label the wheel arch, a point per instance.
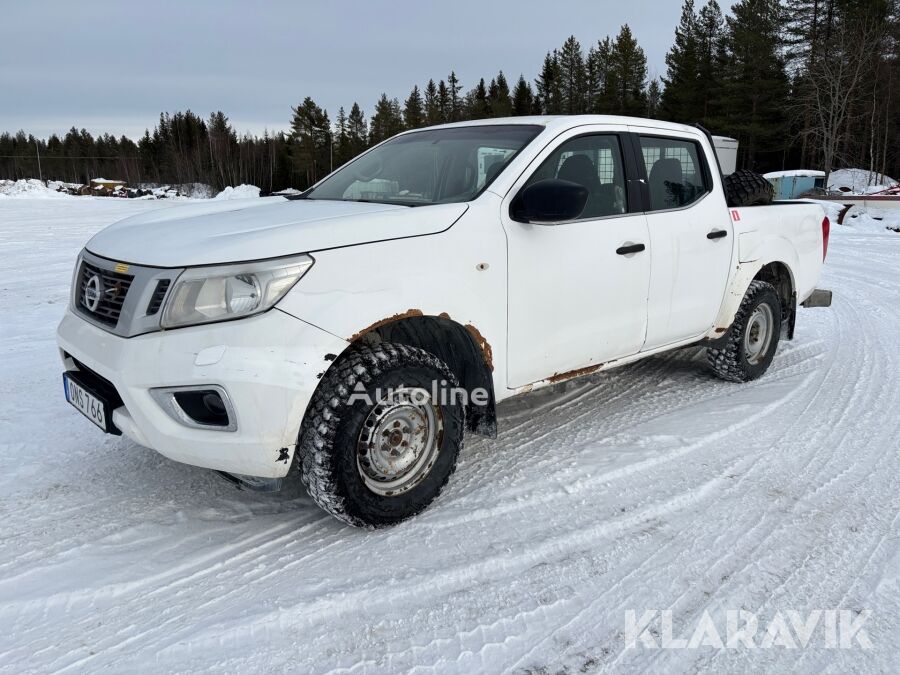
(461, 347)
(780, 276)
(775, 271)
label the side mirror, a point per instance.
(550, 201)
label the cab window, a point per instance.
(675, 173)
(594, 162)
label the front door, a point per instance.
(577, 289)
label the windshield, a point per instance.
(436, 166)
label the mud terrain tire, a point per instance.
(746, 188)
(334, 462)
(745, 357)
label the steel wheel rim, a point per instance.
(758, 335)
(399, 441)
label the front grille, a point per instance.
(112, 287)
(159, 294)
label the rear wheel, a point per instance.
(753, 337)
(381, 435)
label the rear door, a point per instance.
(576, 299)
(691, 236)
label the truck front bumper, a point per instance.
(269, 366)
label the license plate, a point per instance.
(86, 402)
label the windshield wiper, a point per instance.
(302, 195)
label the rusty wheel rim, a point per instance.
(399, 441)
(758, 335)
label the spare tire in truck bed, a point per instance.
(746, 188)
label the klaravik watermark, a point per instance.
(829, 628)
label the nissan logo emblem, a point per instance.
(92, 293)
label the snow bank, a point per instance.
(29, 189)
(859, 181)
(857, 218)
(239, 192)
(831, 209)
(861, 221)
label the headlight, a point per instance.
(208, 294)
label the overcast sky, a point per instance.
(114, 66)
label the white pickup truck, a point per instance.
(358, 331)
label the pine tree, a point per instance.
(357, 131)
(455, 110)
(443, 102)
(628, 74)
(432, 104)
(755, 85)
(477, 105)
(710, 61)
(387, 120)
(413, 110)
(522, 98)
(498, 96)
(342, 151)
(310, 142)
(573, 90)
(807, 22)
(599, 92)
(549, 87)
(680, 98)
(222, 148)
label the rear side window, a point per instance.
(676, 174)
(595, 162)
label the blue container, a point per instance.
(792, 184)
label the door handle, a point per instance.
(717, 234)
(630, 248)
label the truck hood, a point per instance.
(237, 230)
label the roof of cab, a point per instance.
(562, 122)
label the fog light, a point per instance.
(199, 407)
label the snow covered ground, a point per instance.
(858, 181)
(654, 486)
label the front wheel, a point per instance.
(381, 435)
(753, 338)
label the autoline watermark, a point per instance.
(441, 393)
(831, 628)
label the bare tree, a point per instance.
(833, 83)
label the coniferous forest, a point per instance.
(800, 83)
